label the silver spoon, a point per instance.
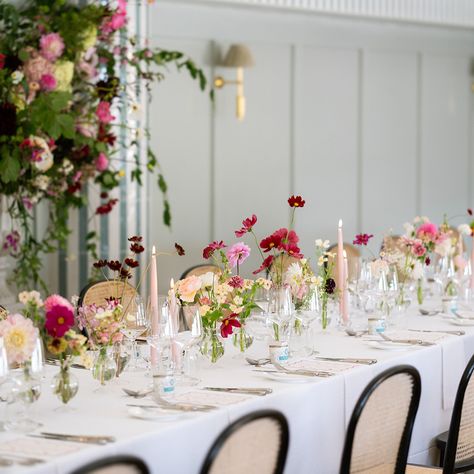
(351, 332)
(258, 362)
(137, 393)
(426, 312)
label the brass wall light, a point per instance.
(239, 57)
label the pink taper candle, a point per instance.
(155, 313)
(472, 263)
(340, 267)
(345, 295)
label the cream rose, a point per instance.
(188, 288)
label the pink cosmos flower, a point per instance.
(52, 46)
(56, 300)
(59, 319)
(103, 112)
(428, 230)
(48, 82)
(102, 162)
(238, 253)
(267, 263)
(247, 225)
(362, 239)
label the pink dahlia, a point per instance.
(238, 253)
(427, 230)
(56, 300)
(52, 46)
(103, 112)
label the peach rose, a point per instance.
(188, 288)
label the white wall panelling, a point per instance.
(370, 121)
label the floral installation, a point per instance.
(327, 285)
(225, 300)
(63, 96)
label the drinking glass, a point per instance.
(137, 322)
(281, 311)
(301, 335)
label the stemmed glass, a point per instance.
(25, 391)
(280, 311)
(258, 323)
(186, 342)
(301, 338)
(137, 322)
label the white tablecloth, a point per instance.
(318, 412)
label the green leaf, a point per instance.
(162, 184)
(167, 214)
(9, 167)
(59, 100)
(67, 125)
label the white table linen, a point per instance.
(318, 411)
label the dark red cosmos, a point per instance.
(208, 252)
(73, 188)
(292, 250)
(114, 265)
(125, 274)
(135, 238)
(274, 240)
(362, 239)
(104, 195)
(100, 264)
(469, 211)
(247, 225)
(136, 248)
(106, 207)
(236, 282)
(2, 60)
(179, 249)
(131, 263)
(427, 261)
(228, 324)
(267, 263)
(296, 201)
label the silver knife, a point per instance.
(74, 439)
(455, 333)
(307, 373)
(247, 391)
(175, 407)
(350, 360)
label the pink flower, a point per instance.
(56, 300)
(228, 324)
(19, 336)
(103, 112)
(247, 225)
(36, 67)
(236, 282)
(188, 288)
(362, 239)
(2, 60)
(428, 230)
(238, 253)
(48, 82)
(59, 319)
(208, 252)
(102, 162)
(12, 241)
(88, 130)
(267, 263)
(418, 249)
(52, 46)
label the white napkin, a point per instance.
(208, 397)
(432, 337)
(38, 448)
(322, 365)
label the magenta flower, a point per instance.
(238, 253)
(247, 225)
(418, 249)
(52, 46)
(102, 162)
(236, 282)
(208, 252)
(103, 112)
(12, 241)
(362, 239)
(59, 319)
(228, 324)
(56, 300)
(48, 82)
(428, 230)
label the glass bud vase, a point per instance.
(211, 344)
(281, 310)
(65, 384)
(104, 367)
(242, 340)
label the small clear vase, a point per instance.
(419, 291)
(65, 384)
(211, 344)
(281, 311)
(104, 367)
(241, 339)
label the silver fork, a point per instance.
(416, 342)
(309, 373)
(454, 333)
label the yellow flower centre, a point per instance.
(271, 244)
(60, 320)
(296, 204)
(16, 338)
(226, 322)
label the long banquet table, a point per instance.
(317, 411)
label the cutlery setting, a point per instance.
(442, 331)
(416, 342)
(188, 407)
(88, 439)
(261, 392)
(350, 360)
(7, 460)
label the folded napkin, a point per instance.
(203, 397)
(38, 448)
(321, 365)
(430, 337)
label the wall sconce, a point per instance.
(239, 57)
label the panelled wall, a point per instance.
(369, 121)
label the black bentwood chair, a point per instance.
(115, 465)
(379, 432)
(257, 443)
(458, 455)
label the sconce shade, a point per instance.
(238, 56)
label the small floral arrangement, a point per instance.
(327, 285)
(303, 283)
(19, 336)
(224, 300)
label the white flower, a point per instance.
(417, 219)
(42, 182)
(263, 282)
(204, 309)
(208, 280)
(464, 229)
(409, 228)
(30, 297)
(444, 248)
(294, 274)
(323, 244)
(378, 267)
(236, 309)
(17, 77)
(321, 260)
(238, 300)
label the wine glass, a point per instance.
(280, 311)
(301, 336)
(137, 322)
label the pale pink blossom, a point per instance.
(103, 112)
(418, 249)
(48, 82)
(52, 46)
(56, 300)
(188, 288)
(102, 162)
(238, 253)
(36, 67)
(427, 230)
(19, 336)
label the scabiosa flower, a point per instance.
(208, 251)
(362, 239)
(247, 225)
(103, 112)
(238, 253)
(179, 249)
(228, 324)
(236, 282)
(59, 319)
(267, 263)
(296, 201)
(469, 211)
(52, 46)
